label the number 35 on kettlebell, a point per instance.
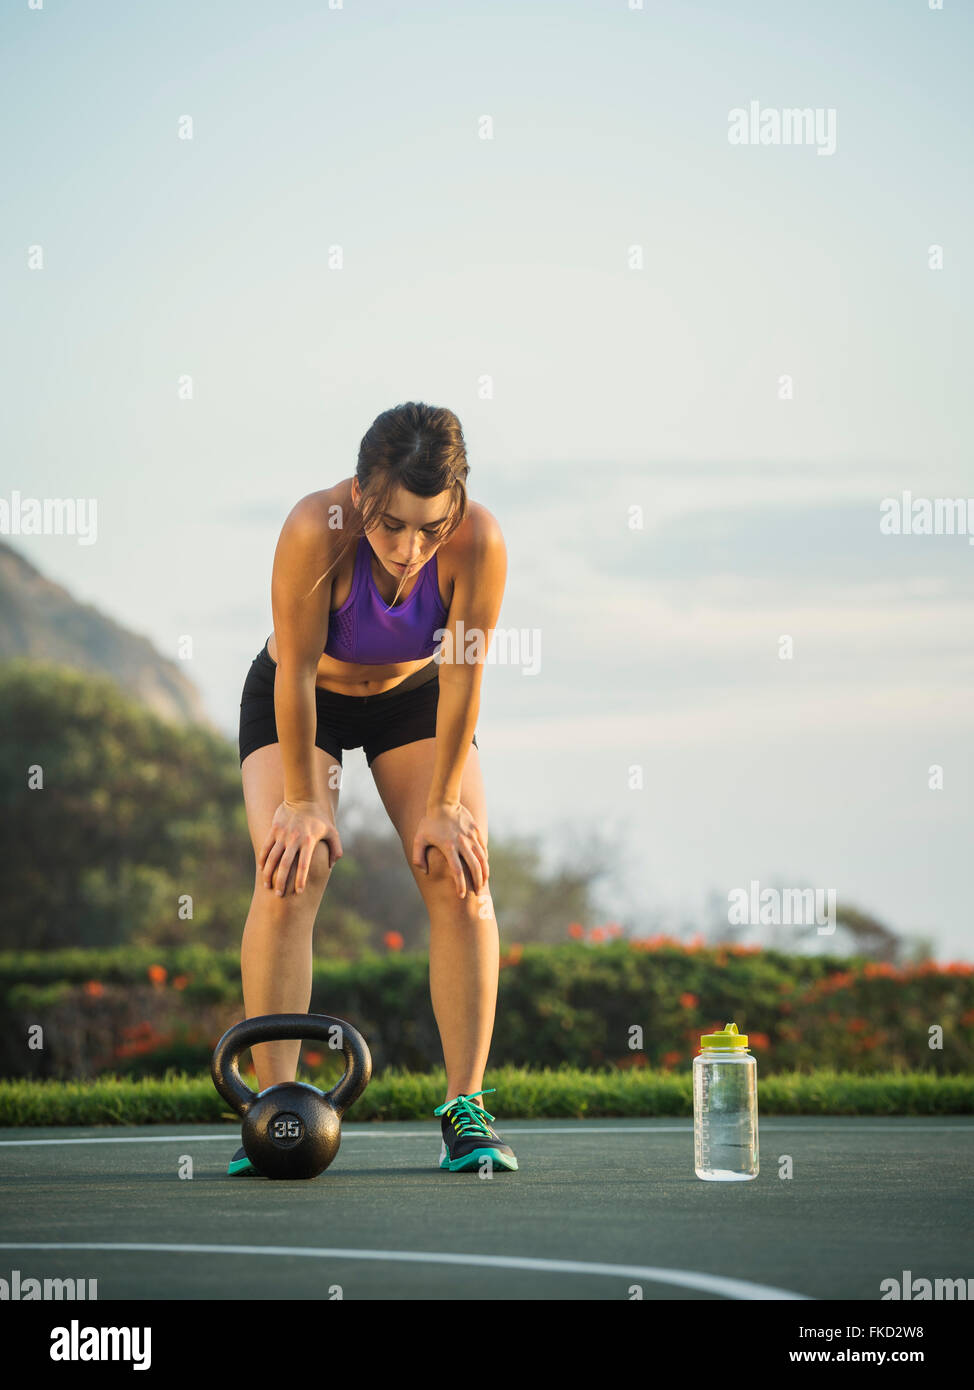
(291, 1130)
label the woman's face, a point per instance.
(407, 534)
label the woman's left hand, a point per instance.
(455, 833)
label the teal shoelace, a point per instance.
(469, 1119)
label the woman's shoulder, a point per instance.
(475, 548)
(323, 514)
(478, 529)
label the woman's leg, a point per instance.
(464, 948)
(275, 954)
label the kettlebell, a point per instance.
(291, 1130)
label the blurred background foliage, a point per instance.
(128, 877)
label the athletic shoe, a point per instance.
(467, 1137)
(240, 1165)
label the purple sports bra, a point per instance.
(366, 630)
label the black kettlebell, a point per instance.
(291, 1130)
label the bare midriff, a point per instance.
(352, 678)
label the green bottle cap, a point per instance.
(730, 1037)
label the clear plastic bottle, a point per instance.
(725, 1108)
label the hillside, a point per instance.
(41, 621)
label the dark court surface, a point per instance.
(596, 1208)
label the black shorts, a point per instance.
(375, 723)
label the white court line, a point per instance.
(765, 1126)
(687, 1279)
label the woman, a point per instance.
(369, 576)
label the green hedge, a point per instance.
(624, 1005)
(566, 1093)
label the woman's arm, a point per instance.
(474, 609)
(300, 614)
(478, 592)
(300, 604)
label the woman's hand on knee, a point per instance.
(453, 831)
(295, 831)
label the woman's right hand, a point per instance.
(295, 830)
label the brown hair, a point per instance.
(417, 447)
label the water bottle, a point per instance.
(725, 1108)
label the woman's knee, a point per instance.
(437, 868)
(442, 874)
(319, 872)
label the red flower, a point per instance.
(157, 974)
(138, 1030)
(576, 930)
(95, 988)
(688, 1001)
(146, 1043)
(393, 940)
(875, 968)
(630, 1060)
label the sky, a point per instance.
(689, 372)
